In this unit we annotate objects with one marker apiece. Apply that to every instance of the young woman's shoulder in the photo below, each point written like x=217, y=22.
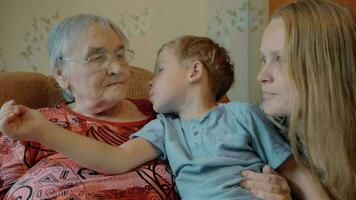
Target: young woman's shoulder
x=244, y=111
x=237, y=106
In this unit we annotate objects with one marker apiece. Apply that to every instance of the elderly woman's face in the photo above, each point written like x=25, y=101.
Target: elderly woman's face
x=273, y=78
x=101, y=83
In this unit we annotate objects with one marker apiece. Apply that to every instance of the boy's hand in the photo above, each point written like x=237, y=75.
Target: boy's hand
x=20, y=122
x=268, y=185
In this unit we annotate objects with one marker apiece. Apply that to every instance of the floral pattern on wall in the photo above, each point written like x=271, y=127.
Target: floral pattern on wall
x=134, y=24
x=36, y=39
x=3, y=66
x=246, y=19
x=257, y=17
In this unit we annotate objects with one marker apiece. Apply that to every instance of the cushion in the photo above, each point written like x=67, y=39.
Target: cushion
x=37, y=90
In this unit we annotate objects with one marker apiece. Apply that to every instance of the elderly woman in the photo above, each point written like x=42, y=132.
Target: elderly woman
x=89, y=59
x=309, y=77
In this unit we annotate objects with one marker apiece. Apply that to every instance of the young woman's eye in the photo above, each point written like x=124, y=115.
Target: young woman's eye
x=263, y=60
x=280, y=59
x=158, y=71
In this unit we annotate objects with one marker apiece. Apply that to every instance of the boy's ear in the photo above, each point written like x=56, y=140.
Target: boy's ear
x=61, y=78
x=196, y=71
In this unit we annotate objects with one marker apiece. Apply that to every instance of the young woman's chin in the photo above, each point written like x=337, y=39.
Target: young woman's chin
x=274, y=110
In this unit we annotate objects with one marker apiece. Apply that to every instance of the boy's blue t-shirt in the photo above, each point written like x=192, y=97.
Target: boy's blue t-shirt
x=206, y=155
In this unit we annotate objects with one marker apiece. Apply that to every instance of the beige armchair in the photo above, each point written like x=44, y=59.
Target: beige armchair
x=37, y=90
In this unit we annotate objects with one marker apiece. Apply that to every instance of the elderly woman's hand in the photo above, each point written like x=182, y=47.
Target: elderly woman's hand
x=20, y=122
x=268, y=185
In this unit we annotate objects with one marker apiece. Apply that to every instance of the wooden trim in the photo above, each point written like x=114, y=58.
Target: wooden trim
x=274, y=4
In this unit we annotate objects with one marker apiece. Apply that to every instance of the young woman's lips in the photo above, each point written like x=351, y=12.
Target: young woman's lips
x=268, y=95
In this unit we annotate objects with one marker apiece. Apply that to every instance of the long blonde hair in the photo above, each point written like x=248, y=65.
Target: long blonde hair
x=321, y=68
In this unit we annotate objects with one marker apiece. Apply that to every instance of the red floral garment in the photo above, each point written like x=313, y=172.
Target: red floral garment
x=32, y=171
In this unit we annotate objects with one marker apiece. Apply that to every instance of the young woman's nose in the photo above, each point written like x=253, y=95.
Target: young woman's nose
x=264, y=76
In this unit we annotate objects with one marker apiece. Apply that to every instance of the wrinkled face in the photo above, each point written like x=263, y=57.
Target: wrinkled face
x=101, y=83
x=273, y=78
x=170, y=84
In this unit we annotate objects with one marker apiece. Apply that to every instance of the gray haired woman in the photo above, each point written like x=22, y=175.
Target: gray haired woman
x=89, y=58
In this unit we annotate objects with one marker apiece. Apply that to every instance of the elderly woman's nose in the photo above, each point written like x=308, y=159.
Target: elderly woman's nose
x=114, y=68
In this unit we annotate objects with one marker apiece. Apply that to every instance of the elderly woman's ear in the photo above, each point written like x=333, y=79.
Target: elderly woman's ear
x=61, y=78
x=131, y=73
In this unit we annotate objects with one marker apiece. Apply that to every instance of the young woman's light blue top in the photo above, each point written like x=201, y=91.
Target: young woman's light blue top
x=207, y=154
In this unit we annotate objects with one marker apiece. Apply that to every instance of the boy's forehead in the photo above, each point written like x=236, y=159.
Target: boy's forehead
x=165, y=54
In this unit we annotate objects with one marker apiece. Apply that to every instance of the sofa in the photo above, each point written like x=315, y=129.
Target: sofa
x=36, y=90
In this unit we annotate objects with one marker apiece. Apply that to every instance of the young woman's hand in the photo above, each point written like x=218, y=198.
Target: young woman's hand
x=20, y=122
x=268, y=185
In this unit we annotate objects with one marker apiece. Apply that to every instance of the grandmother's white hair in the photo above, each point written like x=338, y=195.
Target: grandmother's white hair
x=64, y=34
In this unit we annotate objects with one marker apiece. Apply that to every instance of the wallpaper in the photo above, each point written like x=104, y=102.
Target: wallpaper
x=235, y=24
x=246, y=19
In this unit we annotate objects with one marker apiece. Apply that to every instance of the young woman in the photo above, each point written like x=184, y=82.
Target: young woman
x=309, y=76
